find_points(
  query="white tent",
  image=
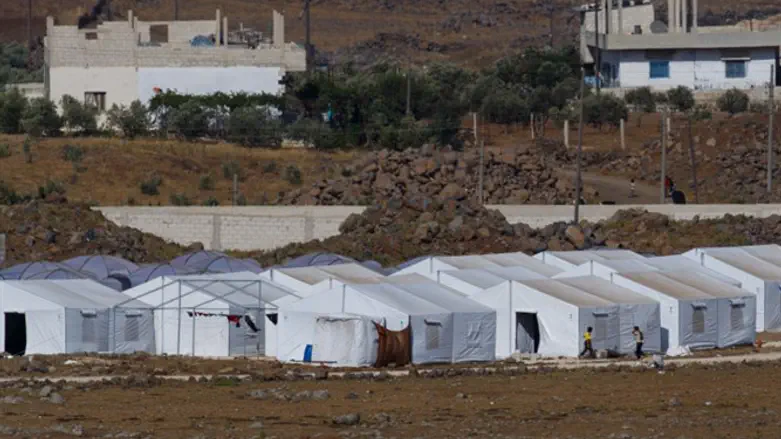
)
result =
(633, 310)
(69, 316)
(696, 310)
(430, 266)
(475, 280)
(305, 281)
(549, 317)
(681, 262)
(757, 268)
(213, 314)
(446, 327)
(345, 339)
(567, 260)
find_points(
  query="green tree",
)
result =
(12, 106)
(642, 101)
(681, 98)
(191, 120)
(733, 101)
(254, 126)
(40, 118)
(604, 109)
(78, 117)
(505, 107)
(132, 121)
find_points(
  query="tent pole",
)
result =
(179, 322)
(193, 343)
(512, 313)
(261, 318)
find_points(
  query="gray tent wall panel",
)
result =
(242, 340)
(699, 323)
(133, 331)
(605, 323)
(772, 305)
(645, 316)
(86, 330)
(432, 338)
(474, 337)
(736, 321)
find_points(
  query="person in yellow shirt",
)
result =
(587, 343)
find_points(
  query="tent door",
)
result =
(15, 333)
(527, 333)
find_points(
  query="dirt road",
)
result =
(616, 189)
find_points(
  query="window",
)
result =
(95, 99)
(158, 33)
(638, 30)
(736, 317)
(91, 35)
(735, 69)
(432, 335)
(698, 321)
(88, 328)
(131, 328)
(659, 69)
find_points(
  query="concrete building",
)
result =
(633, 49)
(117, 62)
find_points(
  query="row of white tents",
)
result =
(456, 308)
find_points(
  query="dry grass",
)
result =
(112, 170)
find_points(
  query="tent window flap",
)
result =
(131, 328)
(88, 329)
(432, 335)
(698, 321)
(736, 318)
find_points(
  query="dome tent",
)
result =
(317, 259)
(148, 272)
(215, 262)
(105, 267)
(30, 270)
(196, 259)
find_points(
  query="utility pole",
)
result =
(693, 159)
(30, 24)
(235, 188)
(578, 179)
(308, 37)
(482, 165)
(176, 10)
(663, 194)
(771, 112)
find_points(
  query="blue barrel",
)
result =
(308, 354)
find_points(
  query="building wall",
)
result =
(119, 83)
(642, 15)
(268, 227)
(178, 31)
(698, 69)
(206, 80)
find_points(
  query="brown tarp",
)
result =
(395, 347)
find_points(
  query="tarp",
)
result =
(347, 340)
(394, 347)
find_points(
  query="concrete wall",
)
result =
(697, 69)
(641, 15)
(119, 83)
(268, 227)
(207, 80)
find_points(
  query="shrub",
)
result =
(293, 175)
(681, 98)
(230, 168)
(254, 126)
(12, 107)
(206, 182)
(50, 187)
(27, 149)
(180, 200)
(733, 101)
(78, 117)
(211, 202)
(132, 121)
(191, 120)
(40, 118)
(5, 151)
(71, 153)
(270, 167)
(702, 112)
(151, 185)
(9, 196)
(505, 107)
(602, 109)
(641, 99)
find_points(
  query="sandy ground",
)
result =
(729, 394)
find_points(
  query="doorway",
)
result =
(527, 333)
(15, 333)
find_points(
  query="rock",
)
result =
(11, 400)
(320, 395)
(259, 394)
(351, 395)
(45, 391)
(711, 142)
(56, 398)
(674, 402)
(462, 396)
(256, 426)
(576, 236)
(349, 419)
(452, 191)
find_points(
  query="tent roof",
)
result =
(706, 284)
(627, 265)
(241, 288)
(442, 296)
(757, 262)
(341, 272)
(397, 298)
(518, 259)
(469, 261)
(488, 277)
(680, 262)
(28, 270)
(152, 271)
(101, 266)
(666, 285)
(582, 256)
(605, 289)
(317, 259)
(196, 259)
(75, 293)
(566, 293)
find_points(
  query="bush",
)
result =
(40, 118)
(230, 168)
(50, 187)
(12, 107)
(206, 182)
(293, 175)
(132, 121)
(254, 126)
(71, 153)
(78, 117)
(9, 196)
(27, 149)
(410, 134)
(270, 167)
(641, 99)
(151, 185)
(180, 200)
(681, 98)
(211, 202)
(602, 109)
(191, 120)
(5, 151)
(733, 101)
(702, 112)
(505, 107)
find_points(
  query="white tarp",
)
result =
(344, 339)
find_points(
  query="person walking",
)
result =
(587, 347)
(639, 340)
(632, 188)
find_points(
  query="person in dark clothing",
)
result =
(639, 340)
(587, 343)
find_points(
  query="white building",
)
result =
(117, 62)
(634, 51)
